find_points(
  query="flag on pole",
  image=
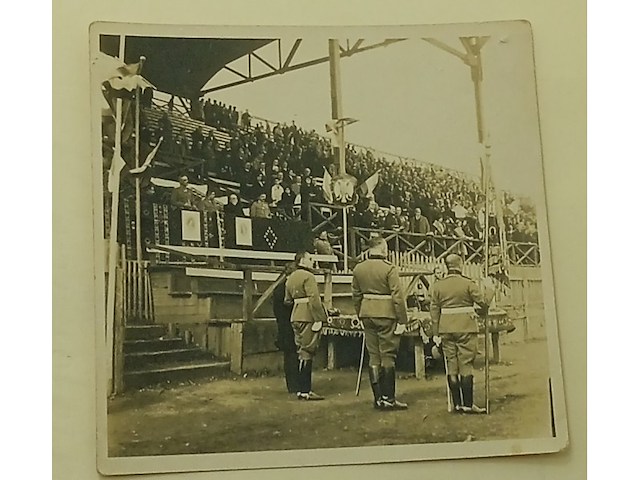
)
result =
(326, 187)
(332, 128)
(370, 184)
(148, 160)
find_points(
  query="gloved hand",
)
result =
(400, 329)
(316, 326)
(437, 340)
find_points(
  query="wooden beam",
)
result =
(234, 253)
(292, 52)
(268, 293)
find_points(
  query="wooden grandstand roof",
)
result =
(181, 66)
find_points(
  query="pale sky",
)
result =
(415, 100)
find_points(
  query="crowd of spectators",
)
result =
(277, 166)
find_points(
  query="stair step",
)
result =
(153, 345)
(175, 372)
(157, 358)
(144, 332)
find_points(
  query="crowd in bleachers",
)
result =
(277, 166)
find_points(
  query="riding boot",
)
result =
(305, 368)
(388, 390)
(467, 396)
(456, 393)
(375, 374)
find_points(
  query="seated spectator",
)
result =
(439, 226)
(233, 208)
(260, 208)
(182, 196)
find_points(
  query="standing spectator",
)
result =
(287, 201)
(370, 216)
(392, 221)
(260, 187)
(246, 119)
(260, 208)
(276, 192)
(234, 118)
(296, 186)
(322, 246)
(182, 196)
(419, 223)
(210, 204)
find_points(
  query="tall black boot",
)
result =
(389, 401)
(375, 380)
(467, 396)
(304, 381)
(456, 393)
(291, 371)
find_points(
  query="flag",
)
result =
(332, 128)
(326, 187)
(370, 184)
(117, 163)
(148, 160)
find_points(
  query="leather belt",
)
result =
(298, 301)
(458, 310)
(375, 296)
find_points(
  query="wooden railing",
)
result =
(435, 248)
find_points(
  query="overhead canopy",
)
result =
(181, 66)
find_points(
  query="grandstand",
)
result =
(200, 259)
(406, 183)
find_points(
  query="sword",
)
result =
(361, 366)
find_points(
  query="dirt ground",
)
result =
(256, 413)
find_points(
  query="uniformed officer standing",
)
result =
(380, 304)
(454, 319)
(306, 318)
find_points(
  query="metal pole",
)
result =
(113, 236)
(138, 180)
(345, 248)
(336, 103)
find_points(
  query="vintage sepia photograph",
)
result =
(320, 246)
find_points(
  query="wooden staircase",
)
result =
(153, 356)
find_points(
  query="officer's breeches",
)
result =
(382, 344)
(460, 350)
(306, 339)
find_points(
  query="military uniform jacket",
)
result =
(377, 291)
(452, 300)
(301, 290)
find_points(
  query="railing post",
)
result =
(328, 303)
(353, 248)
(247, 295)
